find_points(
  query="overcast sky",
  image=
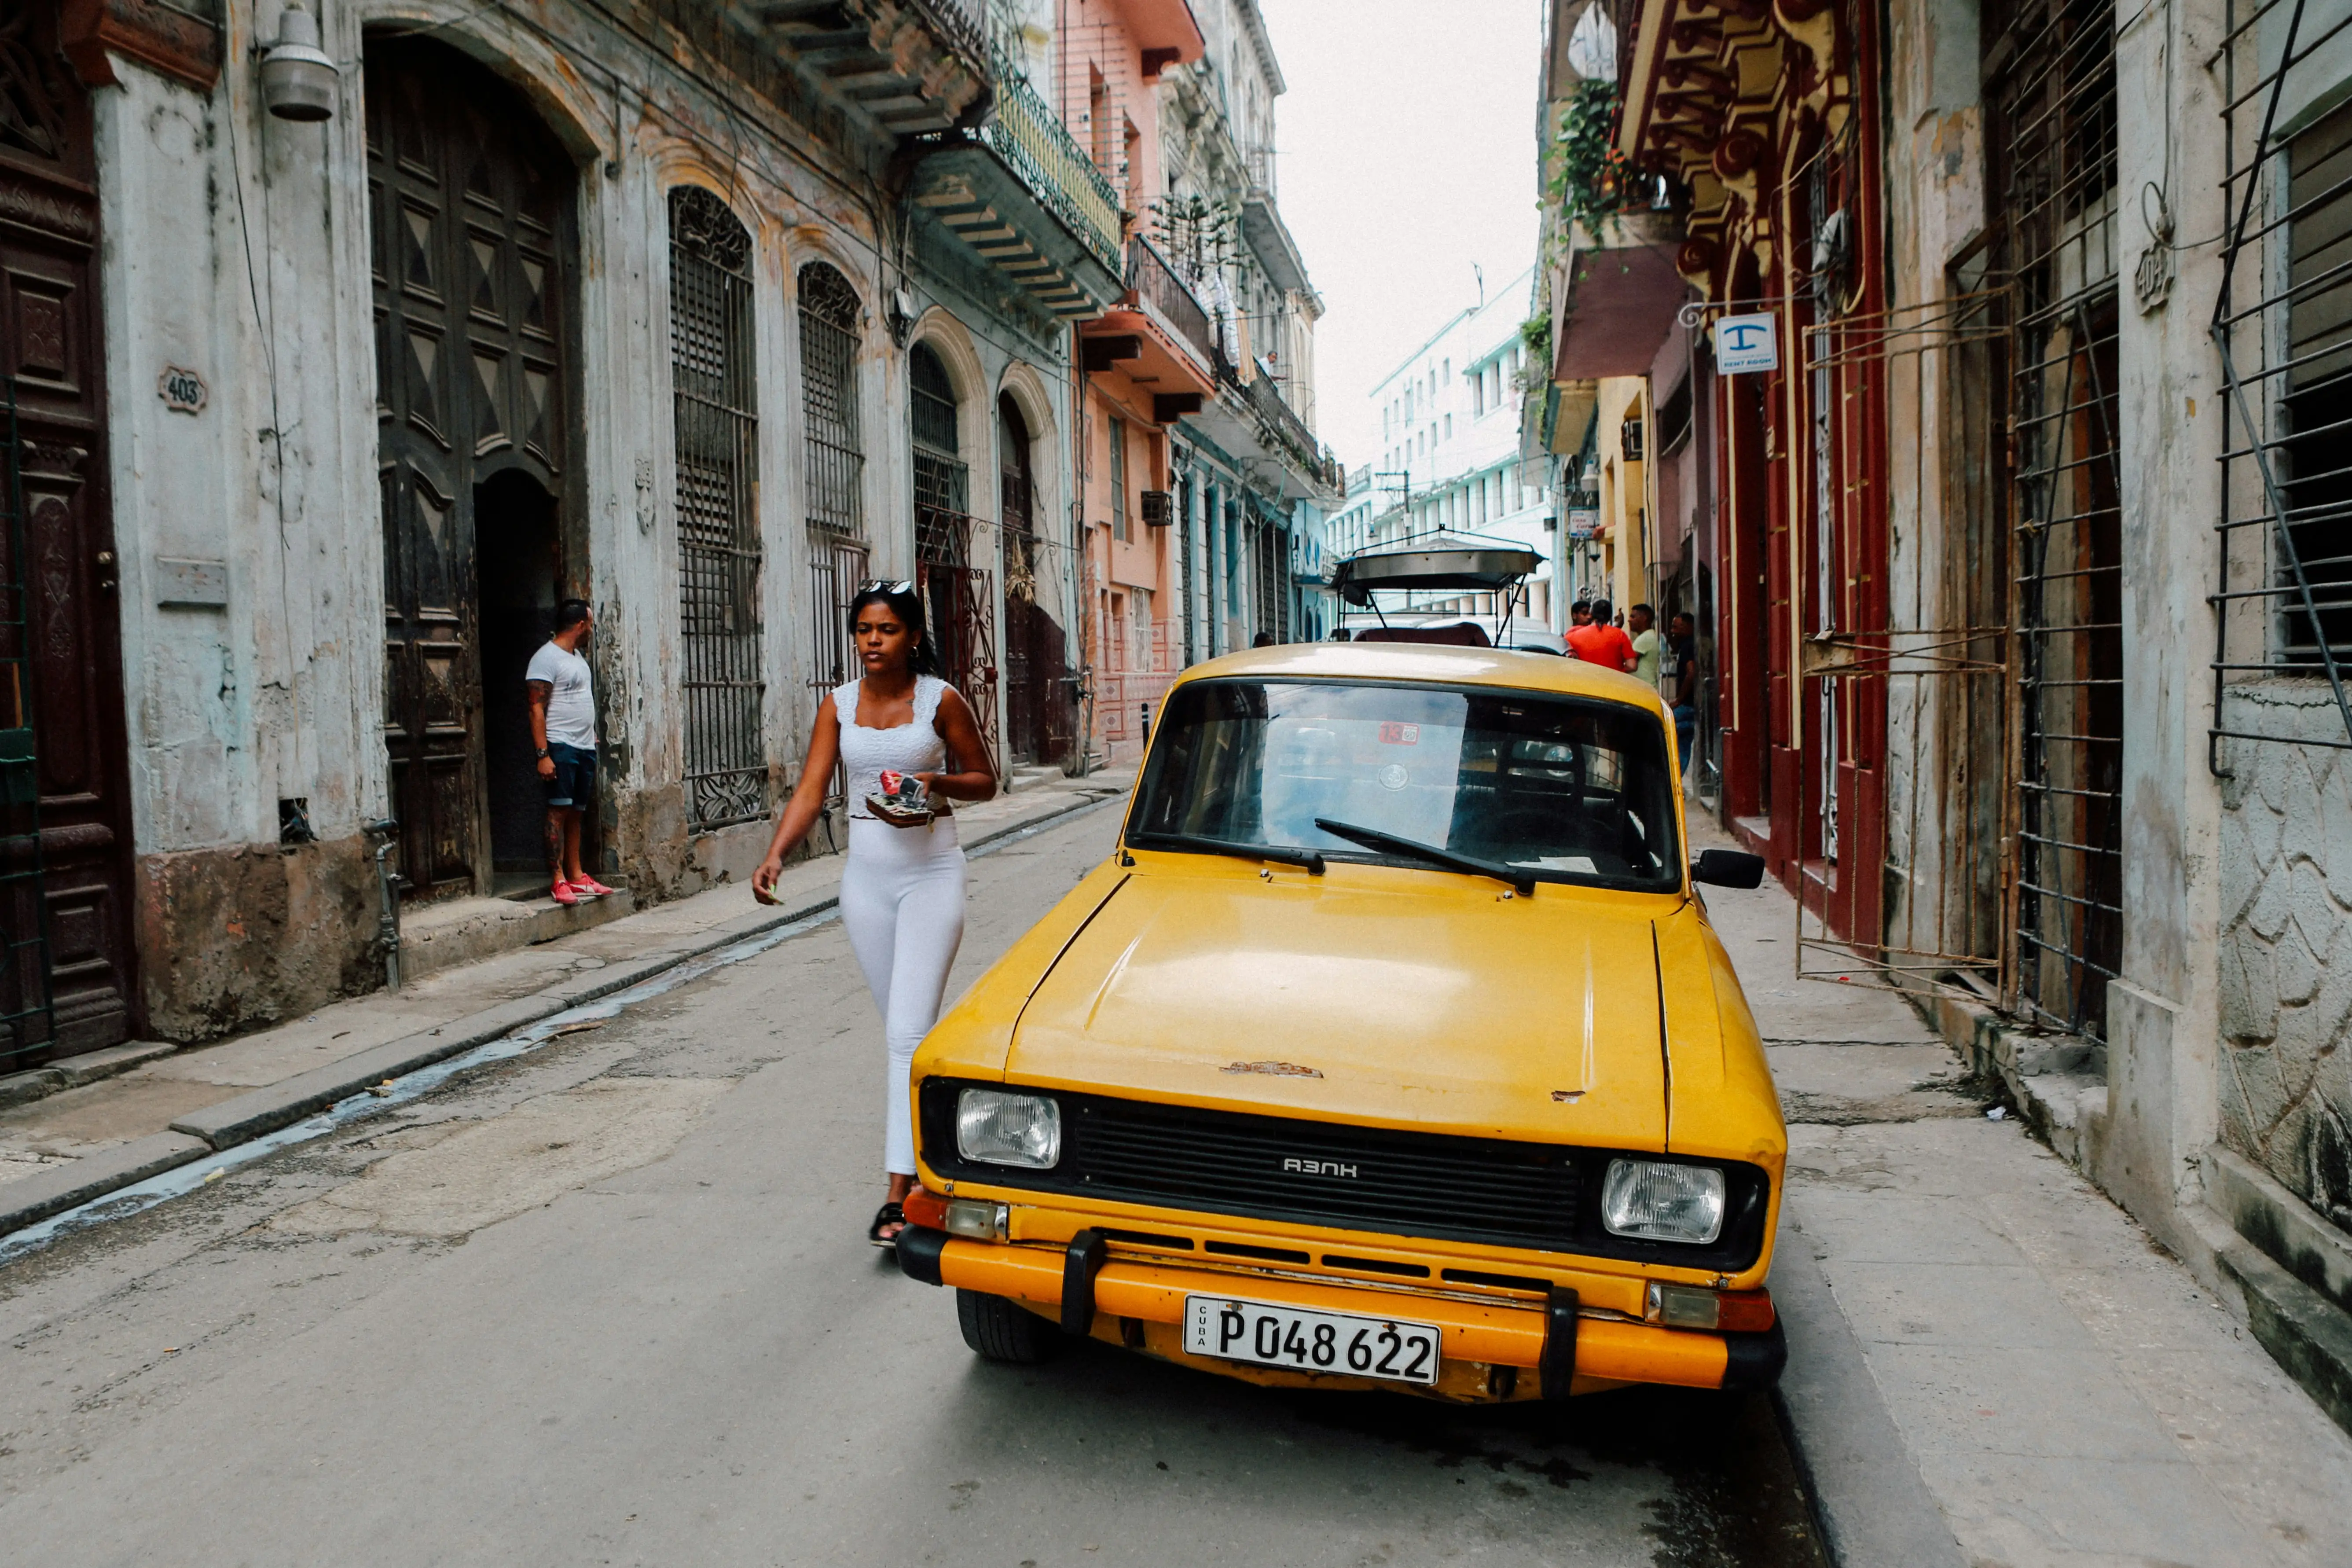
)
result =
(1407, 147)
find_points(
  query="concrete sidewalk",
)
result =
(138, 1110)
(1989, 1362)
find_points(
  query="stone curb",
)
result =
(265, 1109)
(1868, 1498)
(37, 1196)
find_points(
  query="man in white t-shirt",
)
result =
(564, 729)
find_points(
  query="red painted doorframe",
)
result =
(1769, 712)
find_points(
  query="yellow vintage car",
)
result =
(1391, 1047)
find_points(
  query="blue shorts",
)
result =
(574, 784)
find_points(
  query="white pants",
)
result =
(902, 900)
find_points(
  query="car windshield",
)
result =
(1563, 789)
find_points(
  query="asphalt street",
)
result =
(612, 1303)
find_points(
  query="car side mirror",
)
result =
(1728, 869)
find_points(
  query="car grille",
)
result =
(1445, 1187)
(1406, 1183)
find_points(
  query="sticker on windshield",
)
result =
(1393, 776)
(1400, 735)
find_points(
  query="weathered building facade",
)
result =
(1250, 474)
(1449, 458)
(700, 317)
(2030, 554)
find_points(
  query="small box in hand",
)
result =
(903, 801)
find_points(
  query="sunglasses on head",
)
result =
(887, 586)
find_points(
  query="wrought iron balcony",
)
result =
(1286, 427)
(1030, 137)
(1154, 282)
(1028, 201)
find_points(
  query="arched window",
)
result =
(834, 467)
(714, 392)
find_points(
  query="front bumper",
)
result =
(1487, 1346)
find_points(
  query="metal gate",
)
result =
(2052, 146)
(1941, 663)
(958, 599)
(28, 1024)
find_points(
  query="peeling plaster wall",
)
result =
(237, 245)
(2285, 982)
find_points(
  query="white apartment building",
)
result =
(1449, 458)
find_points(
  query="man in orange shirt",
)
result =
(1601, 643)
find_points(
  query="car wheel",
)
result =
(996, 1330)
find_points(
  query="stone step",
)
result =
(1030, 778)
(72, 1072)
(462, 931)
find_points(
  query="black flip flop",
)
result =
(888, 1214)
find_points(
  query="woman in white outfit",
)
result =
(902, 887)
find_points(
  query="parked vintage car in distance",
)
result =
(1389, 1047)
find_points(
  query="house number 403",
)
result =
(183, 391)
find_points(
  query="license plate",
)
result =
(1305, 1341)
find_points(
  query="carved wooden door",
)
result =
(64, 666)
(471, 219)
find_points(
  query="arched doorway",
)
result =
(1036, 707)
(472, 230)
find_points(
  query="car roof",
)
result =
(1422, 662)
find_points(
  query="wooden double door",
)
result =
(67, 968)
(472, 234)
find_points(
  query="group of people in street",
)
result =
(1635, 648)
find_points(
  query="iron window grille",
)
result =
(942, 482)
(715, 400)
(834, 469)
(2053, 85)
(2282, 327)
(836, 459)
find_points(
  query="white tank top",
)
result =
(910, 748)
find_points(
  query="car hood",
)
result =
(1372, 994)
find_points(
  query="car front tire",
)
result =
(998, 1330)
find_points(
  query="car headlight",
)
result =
(1657, 1200)
(1003, 1128)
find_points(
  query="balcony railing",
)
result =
(1029, 137)
(1156, 283)
(1287, 426)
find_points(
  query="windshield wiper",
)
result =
(1375, 838)
(1279, 854)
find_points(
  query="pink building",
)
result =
(1141, 365)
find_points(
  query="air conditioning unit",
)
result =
(1159, 509)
